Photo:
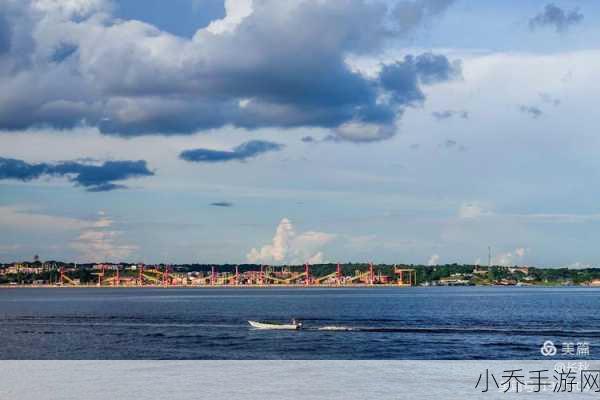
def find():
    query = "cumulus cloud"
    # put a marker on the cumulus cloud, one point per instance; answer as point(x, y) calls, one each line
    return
point(242, 152)
point(433, 260)
point(235, 12)
point(58, 68)
point(510, 258)
point(289, 247)
point(532, 111)
point(101, 242)
point(556, 17)
point(94, 178)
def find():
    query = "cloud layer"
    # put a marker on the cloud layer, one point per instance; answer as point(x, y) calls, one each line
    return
point(252, 69)
point(94, 178)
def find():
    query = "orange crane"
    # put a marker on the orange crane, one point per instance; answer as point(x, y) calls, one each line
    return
point(100, 274)
point(402, 273)
point(367, 276)
point(335, 276)
point(140, 280)
point(65, 279)
point(153, 275)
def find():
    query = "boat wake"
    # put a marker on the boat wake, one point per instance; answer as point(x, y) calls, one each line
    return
point(336, 328)
point(460, 330)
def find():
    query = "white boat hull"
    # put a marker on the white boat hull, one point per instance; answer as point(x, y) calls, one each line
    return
point(263, 325)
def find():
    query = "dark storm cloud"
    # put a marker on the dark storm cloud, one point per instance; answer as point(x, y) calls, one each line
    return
point(223, 204)
point(532, 111)
point(446, 114)
point(129, 78)
point(242, 152)
point(95, 178)
point(556, 17)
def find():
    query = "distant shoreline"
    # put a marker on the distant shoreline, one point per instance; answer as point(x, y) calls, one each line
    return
point(266, 287)
point(206, 286)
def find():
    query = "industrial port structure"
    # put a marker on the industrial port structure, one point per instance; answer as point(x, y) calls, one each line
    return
point(266, 276)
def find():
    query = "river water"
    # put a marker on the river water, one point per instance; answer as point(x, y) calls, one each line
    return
point(380, 323)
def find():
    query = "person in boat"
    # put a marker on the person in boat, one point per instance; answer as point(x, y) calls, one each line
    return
point(297, 323)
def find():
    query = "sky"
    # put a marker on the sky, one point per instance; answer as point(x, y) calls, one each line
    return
point(235, 131)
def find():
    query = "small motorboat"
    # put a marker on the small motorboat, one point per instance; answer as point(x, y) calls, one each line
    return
point(294, 325)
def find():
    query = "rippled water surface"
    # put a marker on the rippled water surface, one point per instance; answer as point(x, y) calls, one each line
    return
point(390, 323)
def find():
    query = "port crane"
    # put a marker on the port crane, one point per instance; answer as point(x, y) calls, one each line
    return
point(402, 274)
point(367, 276)
point(336, 277)
point(155, 276)
point(65, 279)
point(116, 276)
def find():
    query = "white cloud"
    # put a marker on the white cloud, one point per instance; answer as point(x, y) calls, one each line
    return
point(70, 8)
point(510, 258)
point(287, 247)
point(520, 252)
point(100, 243)
point(364, 132)
point(434, 260)
point(471, 211)
point(235, 12)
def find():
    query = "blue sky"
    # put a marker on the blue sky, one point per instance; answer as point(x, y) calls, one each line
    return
point(283, 132)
